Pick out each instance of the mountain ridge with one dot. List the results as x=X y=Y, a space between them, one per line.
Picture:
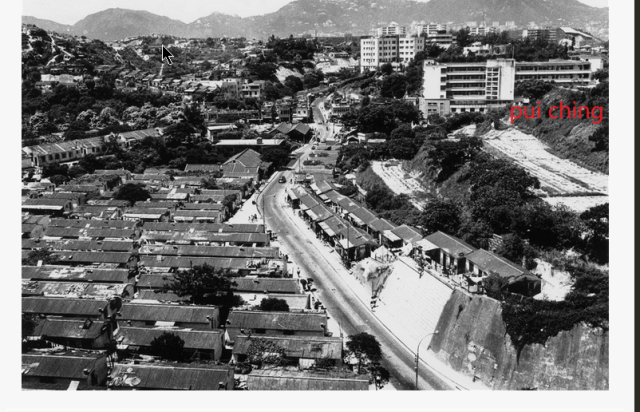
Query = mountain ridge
x=357 y=17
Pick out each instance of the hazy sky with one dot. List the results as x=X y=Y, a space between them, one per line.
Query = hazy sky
x=70 y=11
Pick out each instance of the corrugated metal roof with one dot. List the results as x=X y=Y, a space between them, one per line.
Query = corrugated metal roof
x=171 y=377
x=68 y=328
x=168 y=313
x=308 y=347
x=57 y=306
x=77 y=289
x=58 y=366
x=205 y=227
x=259 y=238
x=450 y=244
x=260 y=380
x=247 y=319
x=93 y=257
x=93 y=223
x=193 y=339
x=70 y=273
x=211 y=251
x=267 y=284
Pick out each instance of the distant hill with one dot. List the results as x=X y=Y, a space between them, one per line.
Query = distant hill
x=47 y=24
x=329 y=16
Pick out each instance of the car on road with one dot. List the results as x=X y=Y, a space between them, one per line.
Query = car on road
x=282 y=179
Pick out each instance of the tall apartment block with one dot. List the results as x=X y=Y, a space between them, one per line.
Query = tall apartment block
x=376 y=51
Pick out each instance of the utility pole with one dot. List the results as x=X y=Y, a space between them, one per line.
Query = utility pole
x=418 y=356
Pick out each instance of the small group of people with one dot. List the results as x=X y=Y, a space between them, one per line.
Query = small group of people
x=253 y=218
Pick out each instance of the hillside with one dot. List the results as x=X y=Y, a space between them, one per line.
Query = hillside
x=330 y=16
x=46 y=48
x=569 y=138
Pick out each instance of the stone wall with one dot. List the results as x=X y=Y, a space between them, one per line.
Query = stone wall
x=472 y=339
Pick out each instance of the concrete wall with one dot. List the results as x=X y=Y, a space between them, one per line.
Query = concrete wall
x=472 y=339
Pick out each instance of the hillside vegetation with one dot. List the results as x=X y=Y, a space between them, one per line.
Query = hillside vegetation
x=578 y=140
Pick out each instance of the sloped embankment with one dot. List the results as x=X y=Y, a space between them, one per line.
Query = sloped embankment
x=566 y=138
x=472 y=340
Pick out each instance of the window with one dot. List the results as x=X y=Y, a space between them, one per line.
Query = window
x=259 y=331
x=288 y=332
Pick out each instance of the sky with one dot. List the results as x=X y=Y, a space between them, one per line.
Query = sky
x=70 y=11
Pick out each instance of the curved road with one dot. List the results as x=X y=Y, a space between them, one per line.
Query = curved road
x=347 y=309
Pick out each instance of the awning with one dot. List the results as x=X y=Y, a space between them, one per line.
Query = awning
x=327 y=229
x=356 y=219
x=324 y=198
x=311 y=214
x=390 y=235
x=303 y=207
x=292 y=195
x=345 y=244
x=315 y=188
x=426 y=245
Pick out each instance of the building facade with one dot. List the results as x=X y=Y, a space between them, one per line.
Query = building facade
x=376 y=51
x=467 y=86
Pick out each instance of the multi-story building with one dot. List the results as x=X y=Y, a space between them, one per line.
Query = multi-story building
x=559 y=71
x=251 y=89
x=429 y=28
x=441 y=39
x=408 y=47
x=461 y=87
x=376 y=51
x=392 y=30
x=479 y=86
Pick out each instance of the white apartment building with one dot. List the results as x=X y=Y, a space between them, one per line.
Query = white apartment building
x=408 y=47
x=479 y=86
x=392 y=30
x=429 y=28
x=376 y=51
x=461 y=87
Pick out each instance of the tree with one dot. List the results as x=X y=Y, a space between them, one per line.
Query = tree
x=29 y=323
x=55 y=169
x=533 y=89
x=379 y=375
x=596 y=242
x=168 y=346
x=441 y=215
x=47 y=257
x=516 y=250
x=386 y=68
x=394 y=86
x=365 y=348
x=495 y=285
x=404 y=131
x=278 y=156
x=294 y=83
x=274 y=305
x=265 y=352
x=313 y=79
x=203 y=283
x=133 y=192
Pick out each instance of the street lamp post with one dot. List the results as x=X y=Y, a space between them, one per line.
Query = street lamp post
x=418 y=356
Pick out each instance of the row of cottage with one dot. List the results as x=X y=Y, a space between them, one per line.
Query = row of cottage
x=98 y=298
x=358 y=233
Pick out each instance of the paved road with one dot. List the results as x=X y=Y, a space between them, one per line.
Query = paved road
x=346 y=308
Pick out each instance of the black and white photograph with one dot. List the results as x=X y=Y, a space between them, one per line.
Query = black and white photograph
x=322 y=195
